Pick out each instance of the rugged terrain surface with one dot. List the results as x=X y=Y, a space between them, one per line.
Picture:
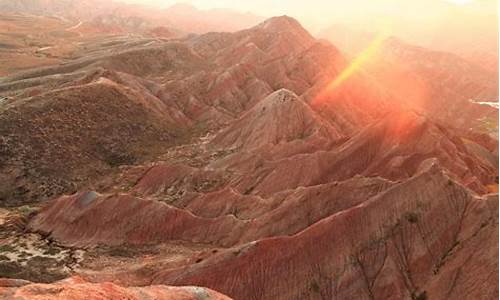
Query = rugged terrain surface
x=420 y=77
x=76 y=288
x=241 y=163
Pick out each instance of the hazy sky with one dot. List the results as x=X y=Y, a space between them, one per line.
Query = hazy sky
x=320 y=13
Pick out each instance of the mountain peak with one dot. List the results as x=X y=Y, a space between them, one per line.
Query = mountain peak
x=281 y=24
x=281 y=117
x=280 y=96
x=288 y=35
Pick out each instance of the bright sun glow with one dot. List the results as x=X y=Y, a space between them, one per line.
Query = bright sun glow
x=460 y=2
x=358 y=62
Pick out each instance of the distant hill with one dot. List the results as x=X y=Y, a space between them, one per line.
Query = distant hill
x=182 y=17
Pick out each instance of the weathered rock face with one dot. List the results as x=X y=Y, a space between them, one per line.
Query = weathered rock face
x=396 y=148
x=84 y=219
x=279 y=118
x=394 y=246
x=76 y=288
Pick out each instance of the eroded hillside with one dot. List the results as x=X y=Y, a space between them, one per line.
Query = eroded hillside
x=237 y=162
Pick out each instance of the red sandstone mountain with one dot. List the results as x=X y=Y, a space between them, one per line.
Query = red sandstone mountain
x=397 y=147
x=230 y=161
x=421 y=77
x=394 y=245
x=279 y=118
x=430 y=72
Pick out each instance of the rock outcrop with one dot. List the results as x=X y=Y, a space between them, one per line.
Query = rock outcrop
x=76 y=288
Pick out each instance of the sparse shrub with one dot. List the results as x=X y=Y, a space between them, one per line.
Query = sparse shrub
x=421 y=296
x=121 y=252
x=119 y=159
x=26 y=210
x=41 y=261
x=52 y=251
x=10 y=269
x=6 y=248
x=315 y=287
x=411 y=217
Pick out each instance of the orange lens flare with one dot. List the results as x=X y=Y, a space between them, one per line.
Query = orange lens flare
x=390 y=77
x=364 y=57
